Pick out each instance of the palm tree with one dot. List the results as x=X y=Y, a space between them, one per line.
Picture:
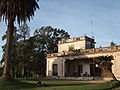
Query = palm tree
x=10 y=11
x=106 y=64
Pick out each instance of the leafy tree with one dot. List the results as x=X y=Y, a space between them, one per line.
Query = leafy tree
x=29 y=57
x=49 y=38
x=24 y=33
x=100 y=46
x=112 y=44
x=106 y=64
x=10 y=10
x=45 y=41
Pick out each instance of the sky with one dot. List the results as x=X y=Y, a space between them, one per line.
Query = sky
x=74 y=16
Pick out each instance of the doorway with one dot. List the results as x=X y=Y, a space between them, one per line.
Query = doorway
x=80 y=70
x=55 y=69
x=92 y=70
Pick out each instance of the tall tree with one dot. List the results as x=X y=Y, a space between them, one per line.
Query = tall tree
x=24 y=33
x=45 y=41
x=29 y=57
x=10 y=10
x=49 y=38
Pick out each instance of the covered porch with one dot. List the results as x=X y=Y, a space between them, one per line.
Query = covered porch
x=81 y=67
x=76 y=67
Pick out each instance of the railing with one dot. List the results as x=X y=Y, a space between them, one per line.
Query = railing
x=86 y=51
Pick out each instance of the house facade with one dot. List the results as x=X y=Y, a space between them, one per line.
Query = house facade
x=76 y=60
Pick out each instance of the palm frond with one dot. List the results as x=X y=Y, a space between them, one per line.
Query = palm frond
x=20 y=10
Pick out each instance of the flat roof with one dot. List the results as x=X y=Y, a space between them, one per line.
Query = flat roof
x=81 y=38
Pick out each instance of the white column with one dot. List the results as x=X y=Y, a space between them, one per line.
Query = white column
x=47 y=68
x=63 y=68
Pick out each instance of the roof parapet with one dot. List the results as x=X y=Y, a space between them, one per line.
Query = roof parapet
x=86 y=51
x=75 y=39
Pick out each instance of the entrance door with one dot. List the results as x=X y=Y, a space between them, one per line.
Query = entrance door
x=55 y=69
x=80 y=70
x=92 y=70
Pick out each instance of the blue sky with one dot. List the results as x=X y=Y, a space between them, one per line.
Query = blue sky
x=74 y=16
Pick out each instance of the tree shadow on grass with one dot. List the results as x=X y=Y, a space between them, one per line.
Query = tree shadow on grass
x=76 y=84
x=116 y=86
x=9 y=83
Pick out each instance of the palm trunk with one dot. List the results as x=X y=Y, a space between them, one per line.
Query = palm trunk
x=10 y=30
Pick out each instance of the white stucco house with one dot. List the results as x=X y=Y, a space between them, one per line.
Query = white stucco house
x=80 y=63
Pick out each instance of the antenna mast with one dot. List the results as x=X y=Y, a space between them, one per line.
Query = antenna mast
x=91 y=25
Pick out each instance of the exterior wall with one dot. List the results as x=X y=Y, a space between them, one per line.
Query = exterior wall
x=62 y=68
x=49 y=66
x=76 y=45
x=82 y=42
x=86 y=67
x=73 y=70
x=116 y=62
x=60 y=64
x=116 y=65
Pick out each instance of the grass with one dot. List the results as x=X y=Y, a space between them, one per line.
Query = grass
x=13 y=84
x=30 y=84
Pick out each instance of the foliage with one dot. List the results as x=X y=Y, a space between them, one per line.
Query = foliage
x=46 y=38
x=100 y=46
x=24 y=32
x=17 y=9
x=112 y=44
x=45 y=41
x=106 y=58
x=105 y=61
x=28 y=53
x=17 y=50
x=106 y=64
x=10 y=11
x=71 y=48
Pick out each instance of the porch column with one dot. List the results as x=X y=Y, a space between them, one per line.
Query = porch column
x=63 y=68
x=47 y=64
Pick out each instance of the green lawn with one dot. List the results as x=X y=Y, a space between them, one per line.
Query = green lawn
x=30 y=84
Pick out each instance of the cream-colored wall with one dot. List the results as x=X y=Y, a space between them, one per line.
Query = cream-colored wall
x=49 y=66
x=116 y=65
x=116 y=61
x=60 y=64
x=77 y=45
x=86 y=67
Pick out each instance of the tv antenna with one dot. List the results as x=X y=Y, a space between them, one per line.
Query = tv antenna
x=91 y=26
